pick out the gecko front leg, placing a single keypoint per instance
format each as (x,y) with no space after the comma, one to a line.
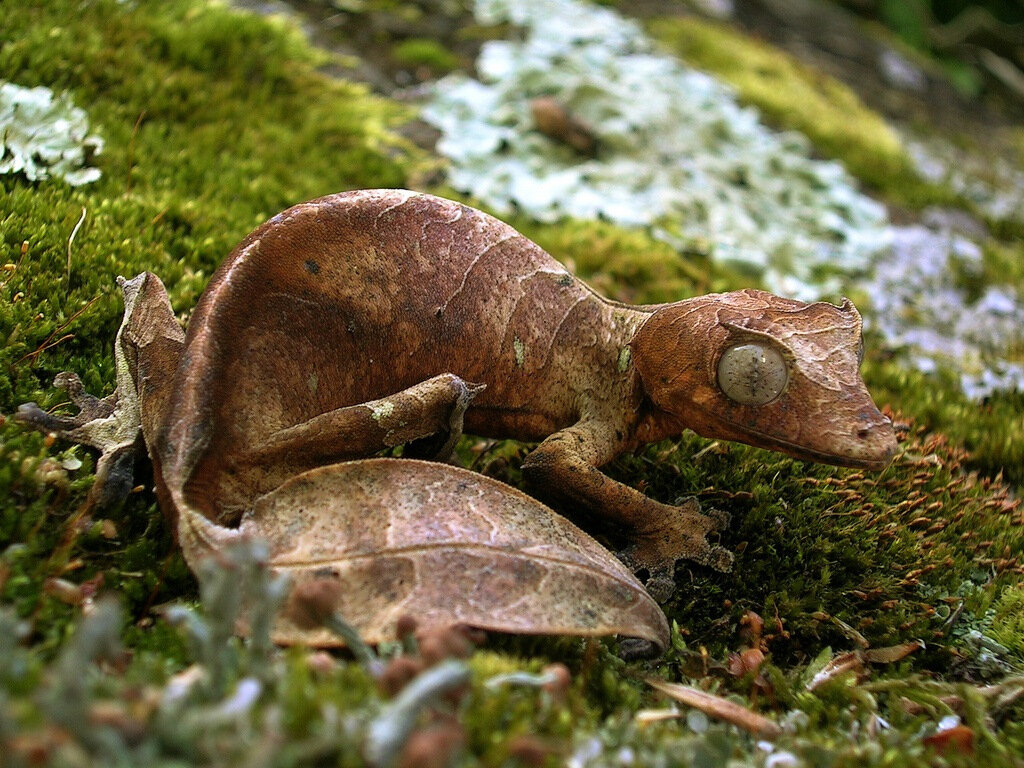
(565,466)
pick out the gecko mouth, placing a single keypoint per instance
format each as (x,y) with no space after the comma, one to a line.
(877,450)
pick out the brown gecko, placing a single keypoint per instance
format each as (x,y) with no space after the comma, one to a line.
(371,319)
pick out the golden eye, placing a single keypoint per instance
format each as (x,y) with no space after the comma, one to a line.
(752,374)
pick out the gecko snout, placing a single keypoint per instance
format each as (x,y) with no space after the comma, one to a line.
(875,440)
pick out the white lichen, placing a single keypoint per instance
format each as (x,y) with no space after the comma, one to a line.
(677,153)
(43,135)
(993,184)
(381,410)
(922,311)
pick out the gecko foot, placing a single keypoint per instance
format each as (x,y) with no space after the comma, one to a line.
(441,446)
(680,536)
(104,424)
(90,409)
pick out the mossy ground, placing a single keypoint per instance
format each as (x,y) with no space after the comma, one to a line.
(214,120)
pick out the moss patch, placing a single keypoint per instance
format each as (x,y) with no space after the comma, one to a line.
(423,52)
(213,121)
(794,96)
(990,431)
(890,554)
(1008,620)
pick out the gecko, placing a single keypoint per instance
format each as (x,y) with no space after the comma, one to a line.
(371,319)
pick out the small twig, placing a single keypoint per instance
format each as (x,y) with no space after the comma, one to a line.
(71,240)
(49,342)
(131,147)
(718,707)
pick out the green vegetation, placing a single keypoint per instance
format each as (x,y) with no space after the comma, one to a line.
(794,96)
(990,431)
(422,52)
(952,31)
(1008,620)
(213,120)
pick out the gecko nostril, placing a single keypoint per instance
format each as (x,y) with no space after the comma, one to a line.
(863,433)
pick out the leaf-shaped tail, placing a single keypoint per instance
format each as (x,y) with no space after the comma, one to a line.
(440,543)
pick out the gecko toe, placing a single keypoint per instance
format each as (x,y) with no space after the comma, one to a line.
(637,649)
(660,586)
(720,518)
(35,417)
(719,558)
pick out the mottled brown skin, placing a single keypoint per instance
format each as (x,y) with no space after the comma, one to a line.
(370,319)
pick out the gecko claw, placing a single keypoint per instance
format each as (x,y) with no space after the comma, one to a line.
(720,518)
(89,409)
(680,536)
(719,558)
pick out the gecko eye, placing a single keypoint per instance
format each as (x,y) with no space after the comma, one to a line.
(752,374)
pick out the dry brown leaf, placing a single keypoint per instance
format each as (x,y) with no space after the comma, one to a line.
(647,716)
(718,707)
(958,739)
(844,662)
(856,660)
(892,653)
(440,543)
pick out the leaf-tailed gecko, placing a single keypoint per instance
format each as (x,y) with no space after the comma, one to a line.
(369,319)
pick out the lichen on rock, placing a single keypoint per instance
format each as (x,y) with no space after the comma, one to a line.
(43,135)
(676,152)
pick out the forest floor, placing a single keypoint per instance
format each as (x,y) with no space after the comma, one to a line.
(872,618)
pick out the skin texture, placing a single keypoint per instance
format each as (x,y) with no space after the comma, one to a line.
(375,318)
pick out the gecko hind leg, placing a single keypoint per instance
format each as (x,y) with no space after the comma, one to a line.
(114,424)
(431,411)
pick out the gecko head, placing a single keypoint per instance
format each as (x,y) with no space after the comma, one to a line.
(772,372)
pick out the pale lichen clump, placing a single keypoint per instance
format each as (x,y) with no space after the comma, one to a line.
(675,151)
(992,184)
(43,135)
(920,309)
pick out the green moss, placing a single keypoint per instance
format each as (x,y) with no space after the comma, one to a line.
(628,265)
(213,121)
(1008,620)
(422,52)
(887,553)
(990,431)
(794,96)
